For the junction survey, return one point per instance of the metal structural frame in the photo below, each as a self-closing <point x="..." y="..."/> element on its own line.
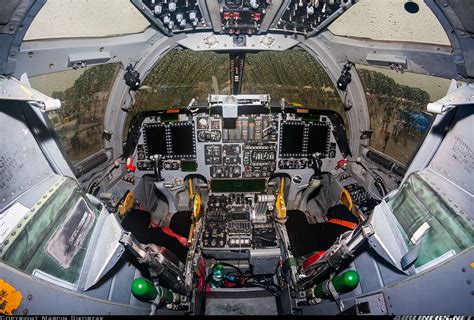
<point x="461" y="40"/>
<point x="12" y="33"/>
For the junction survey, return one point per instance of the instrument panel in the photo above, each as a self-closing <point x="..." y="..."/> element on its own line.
<point x="257" y="144"/>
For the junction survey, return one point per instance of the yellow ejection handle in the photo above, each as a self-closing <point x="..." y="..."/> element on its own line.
<point x="280" y="202"/>
<point x="195" y="217"/>
<point x="196" y="210"/>
<point x="196" y="207"/>
<point x="191" y="192"/>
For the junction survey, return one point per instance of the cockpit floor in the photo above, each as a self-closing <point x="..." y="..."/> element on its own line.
<point x="252" y="306"/>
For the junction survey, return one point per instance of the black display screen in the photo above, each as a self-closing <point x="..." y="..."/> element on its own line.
<point x="182" y="140"/>
<point x="317" y="138"/>
<point x="292" y="135"/>
<point x="238" y="185"/>
<point x="156" y="140"/>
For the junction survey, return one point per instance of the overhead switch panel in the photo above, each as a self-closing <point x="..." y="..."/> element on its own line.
<point x="172" y="16"/>
<point x="242" y="16"/>
<point x="309" y="16"/>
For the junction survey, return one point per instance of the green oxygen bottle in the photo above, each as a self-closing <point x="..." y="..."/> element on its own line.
<point x="218" y="276"/>
<point x="342" y="283"/>
<point x="144" y="289"/>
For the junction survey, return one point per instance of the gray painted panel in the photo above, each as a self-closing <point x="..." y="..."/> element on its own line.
<point x="420" y="58"/>
<point x="454" y="160"/>
<point x="18" y="154"/>
<point x="47" y="298"/>
<point x="120" y="291"/>
<point x="39" y="57"/>
<point x="14" y="31"/>
<point x="29" y="198"/>
<point x="445" y="289"/>
<point x="369" y="273"/>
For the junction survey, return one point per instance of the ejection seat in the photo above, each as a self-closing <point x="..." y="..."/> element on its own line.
<point x="138" y="223"/>
<point x="180" y="223"/>
<point x="306" y="238"/>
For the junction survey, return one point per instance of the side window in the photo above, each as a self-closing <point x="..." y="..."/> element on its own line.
<point x="83" y="94"/>
<point x="397" y="108"/>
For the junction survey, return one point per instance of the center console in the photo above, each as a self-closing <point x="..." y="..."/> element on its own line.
<point x="240" y="226"/>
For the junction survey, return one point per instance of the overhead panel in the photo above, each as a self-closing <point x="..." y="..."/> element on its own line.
<point x="309" y="16"/>
<point x="242" y="16"/>
<point x="172" y="16"/>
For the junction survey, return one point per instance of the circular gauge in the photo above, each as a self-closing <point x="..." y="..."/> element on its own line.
<point x="202" y="123"/>
<point x="178" y="181"/>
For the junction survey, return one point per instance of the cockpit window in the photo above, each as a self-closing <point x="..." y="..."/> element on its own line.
<point x="83" y="94"/>
<point x="83" y="18"/>
<point x="183" y="75"/>
<point x="390" y="21"/>
<point x="180" y="76"/>
<point x="293" y="75"/>
<point x="397" y="108"/>
<point x="418" y="203"/>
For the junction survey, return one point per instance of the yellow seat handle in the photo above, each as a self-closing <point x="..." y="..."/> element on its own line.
<point x="346" y="199"/>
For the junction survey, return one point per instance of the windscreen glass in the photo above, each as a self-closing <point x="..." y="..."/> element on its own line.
<point x="182" y="75"/>
<point x="293" y="75"/>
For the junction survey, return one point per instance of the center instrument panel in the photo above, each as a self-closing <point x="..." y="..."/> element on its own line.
<point x="255" y="146"/>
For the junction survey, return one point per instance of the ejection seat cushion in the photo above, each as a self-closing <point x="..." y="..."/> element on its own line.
<point x="306" y="238"/>
<point x="300" y="232"/>
<point x="137" y="222"/>
<point x="181" y="222"/>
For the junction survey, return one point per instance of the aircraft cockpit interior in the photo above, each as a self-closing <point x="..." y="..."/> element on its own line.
<point x="236" y="157"/>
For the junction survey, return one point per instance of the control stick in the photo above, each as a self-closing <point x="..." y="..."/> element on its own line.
<point x="314" y="181"/>
<point x="160" y="184"/>
<point x="316" y="163"/>
<point x="157" y="166"/>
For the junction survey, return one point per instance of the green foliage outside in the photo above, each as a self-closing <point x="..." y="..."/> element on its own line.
<point x="182" y="75"/>
<point x="391" y="109"/>
<point x="293" y="75"/>
<point x="82" y="112"/>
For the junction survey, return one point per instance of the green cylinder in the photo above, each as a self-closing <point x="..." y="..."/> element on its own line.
<point x="166" y="295"/>
<point x="142" y="288"/>
<point x="342" y="283"/>
<point x="145" y="289"/>
<point x="218" y="276"/>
